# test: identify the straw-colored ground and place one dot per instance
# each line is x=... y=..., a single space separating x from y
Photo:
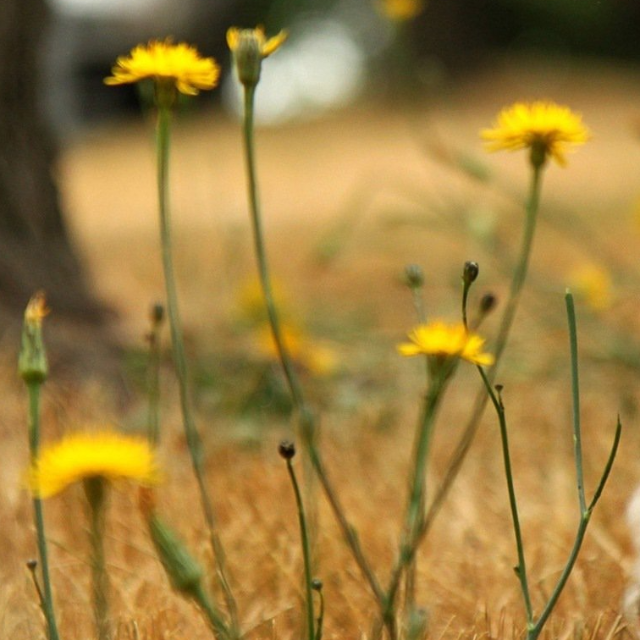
x=348 y=201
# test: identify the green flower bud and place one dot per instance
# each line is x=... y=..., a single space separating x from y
x=184 y=572
x=32 y=361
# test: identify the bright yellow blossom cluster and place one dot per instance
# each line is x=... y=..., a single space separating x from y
x=83 y=455
x=162 y=61
x=441 y=340
x=546 y=128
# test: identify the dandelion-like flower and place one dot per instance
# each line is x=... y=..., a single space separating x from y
x=546 y=128
x=442 y=341
x=177 y=65
x=102 y=454
x=400 y=10
x=250 y=47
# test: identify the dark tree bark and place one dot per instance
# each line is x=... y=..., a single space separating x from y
x=36 y=252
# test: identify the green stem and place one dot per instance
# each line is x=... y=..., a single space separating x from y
x=261 y=254
x=95 y=488
x=307 y=418
x=306 y=552
x=194 y=442
x=575 y=393
x=417 y=492
x=348 y=531
x=517 y=283
x=585 y=517
x=521 y=569
x=216 y=622
x=585 y=511
x=33 y=389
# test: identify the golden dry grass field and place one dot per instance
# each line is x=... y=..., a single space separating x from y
x=349 y=200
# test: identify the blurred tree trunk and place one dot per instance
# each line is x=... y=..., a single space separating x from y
x=35 y=249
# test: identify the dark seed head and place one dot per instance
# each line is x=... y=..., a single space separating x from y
x=287 y=449
x=414 y=276
x=488 y=303
x=470 y=272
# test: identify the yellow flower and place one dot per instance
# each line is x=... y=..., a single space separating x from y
x=444 y=341
x=250 y=47
x=544 y=127
x=593 y=284
x=317 y=358
x=79 y=456
x=400 y=10
x=178 y=65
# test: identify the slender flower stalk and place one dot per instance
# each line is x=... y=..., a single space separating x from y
x=33 y=369
x=287 y=451
x=535 y=626
x=194 y=442
x=95 y=490
x=443 y=346
x=249 y=48
x=521 y=568
x=547 y=131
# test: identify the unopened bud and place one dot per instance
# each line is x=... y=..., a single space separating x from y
x=157 y=313
x=470 y=272
x=287 y=449
x=250 y=47
x=488 y=303
x=32 y=361
x=414 y=276
x=184 y=572
x=316 y=584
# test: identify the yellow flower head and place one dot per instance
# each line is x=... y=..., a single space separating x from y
x=79 y=456
x=250 y=47
x=315 y=357
x=443 y=341
x=546 y=128
x=400 y=10
x=178 y=65
x=593 y=284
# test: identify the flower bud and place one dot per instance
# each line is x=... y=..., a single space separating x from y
x=488 y=303
x=250 y=47
x=470 y=272
x=32 y=361
x=287 y=449
x=184 y=572
x=414 y=276
x=157 y=313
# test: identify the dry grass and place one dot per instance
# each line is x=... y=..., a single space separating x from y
x=404 y=206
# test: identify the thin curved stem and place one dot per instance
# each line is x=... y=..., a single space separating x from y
x=33 y=389
x=307 y=418
x=517 y=283
x=306 y=552
x=193 y=439
x=521 y=569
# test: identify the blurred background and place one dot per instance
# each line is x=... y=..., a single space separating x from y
x=337 y=48
x=369 y=153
